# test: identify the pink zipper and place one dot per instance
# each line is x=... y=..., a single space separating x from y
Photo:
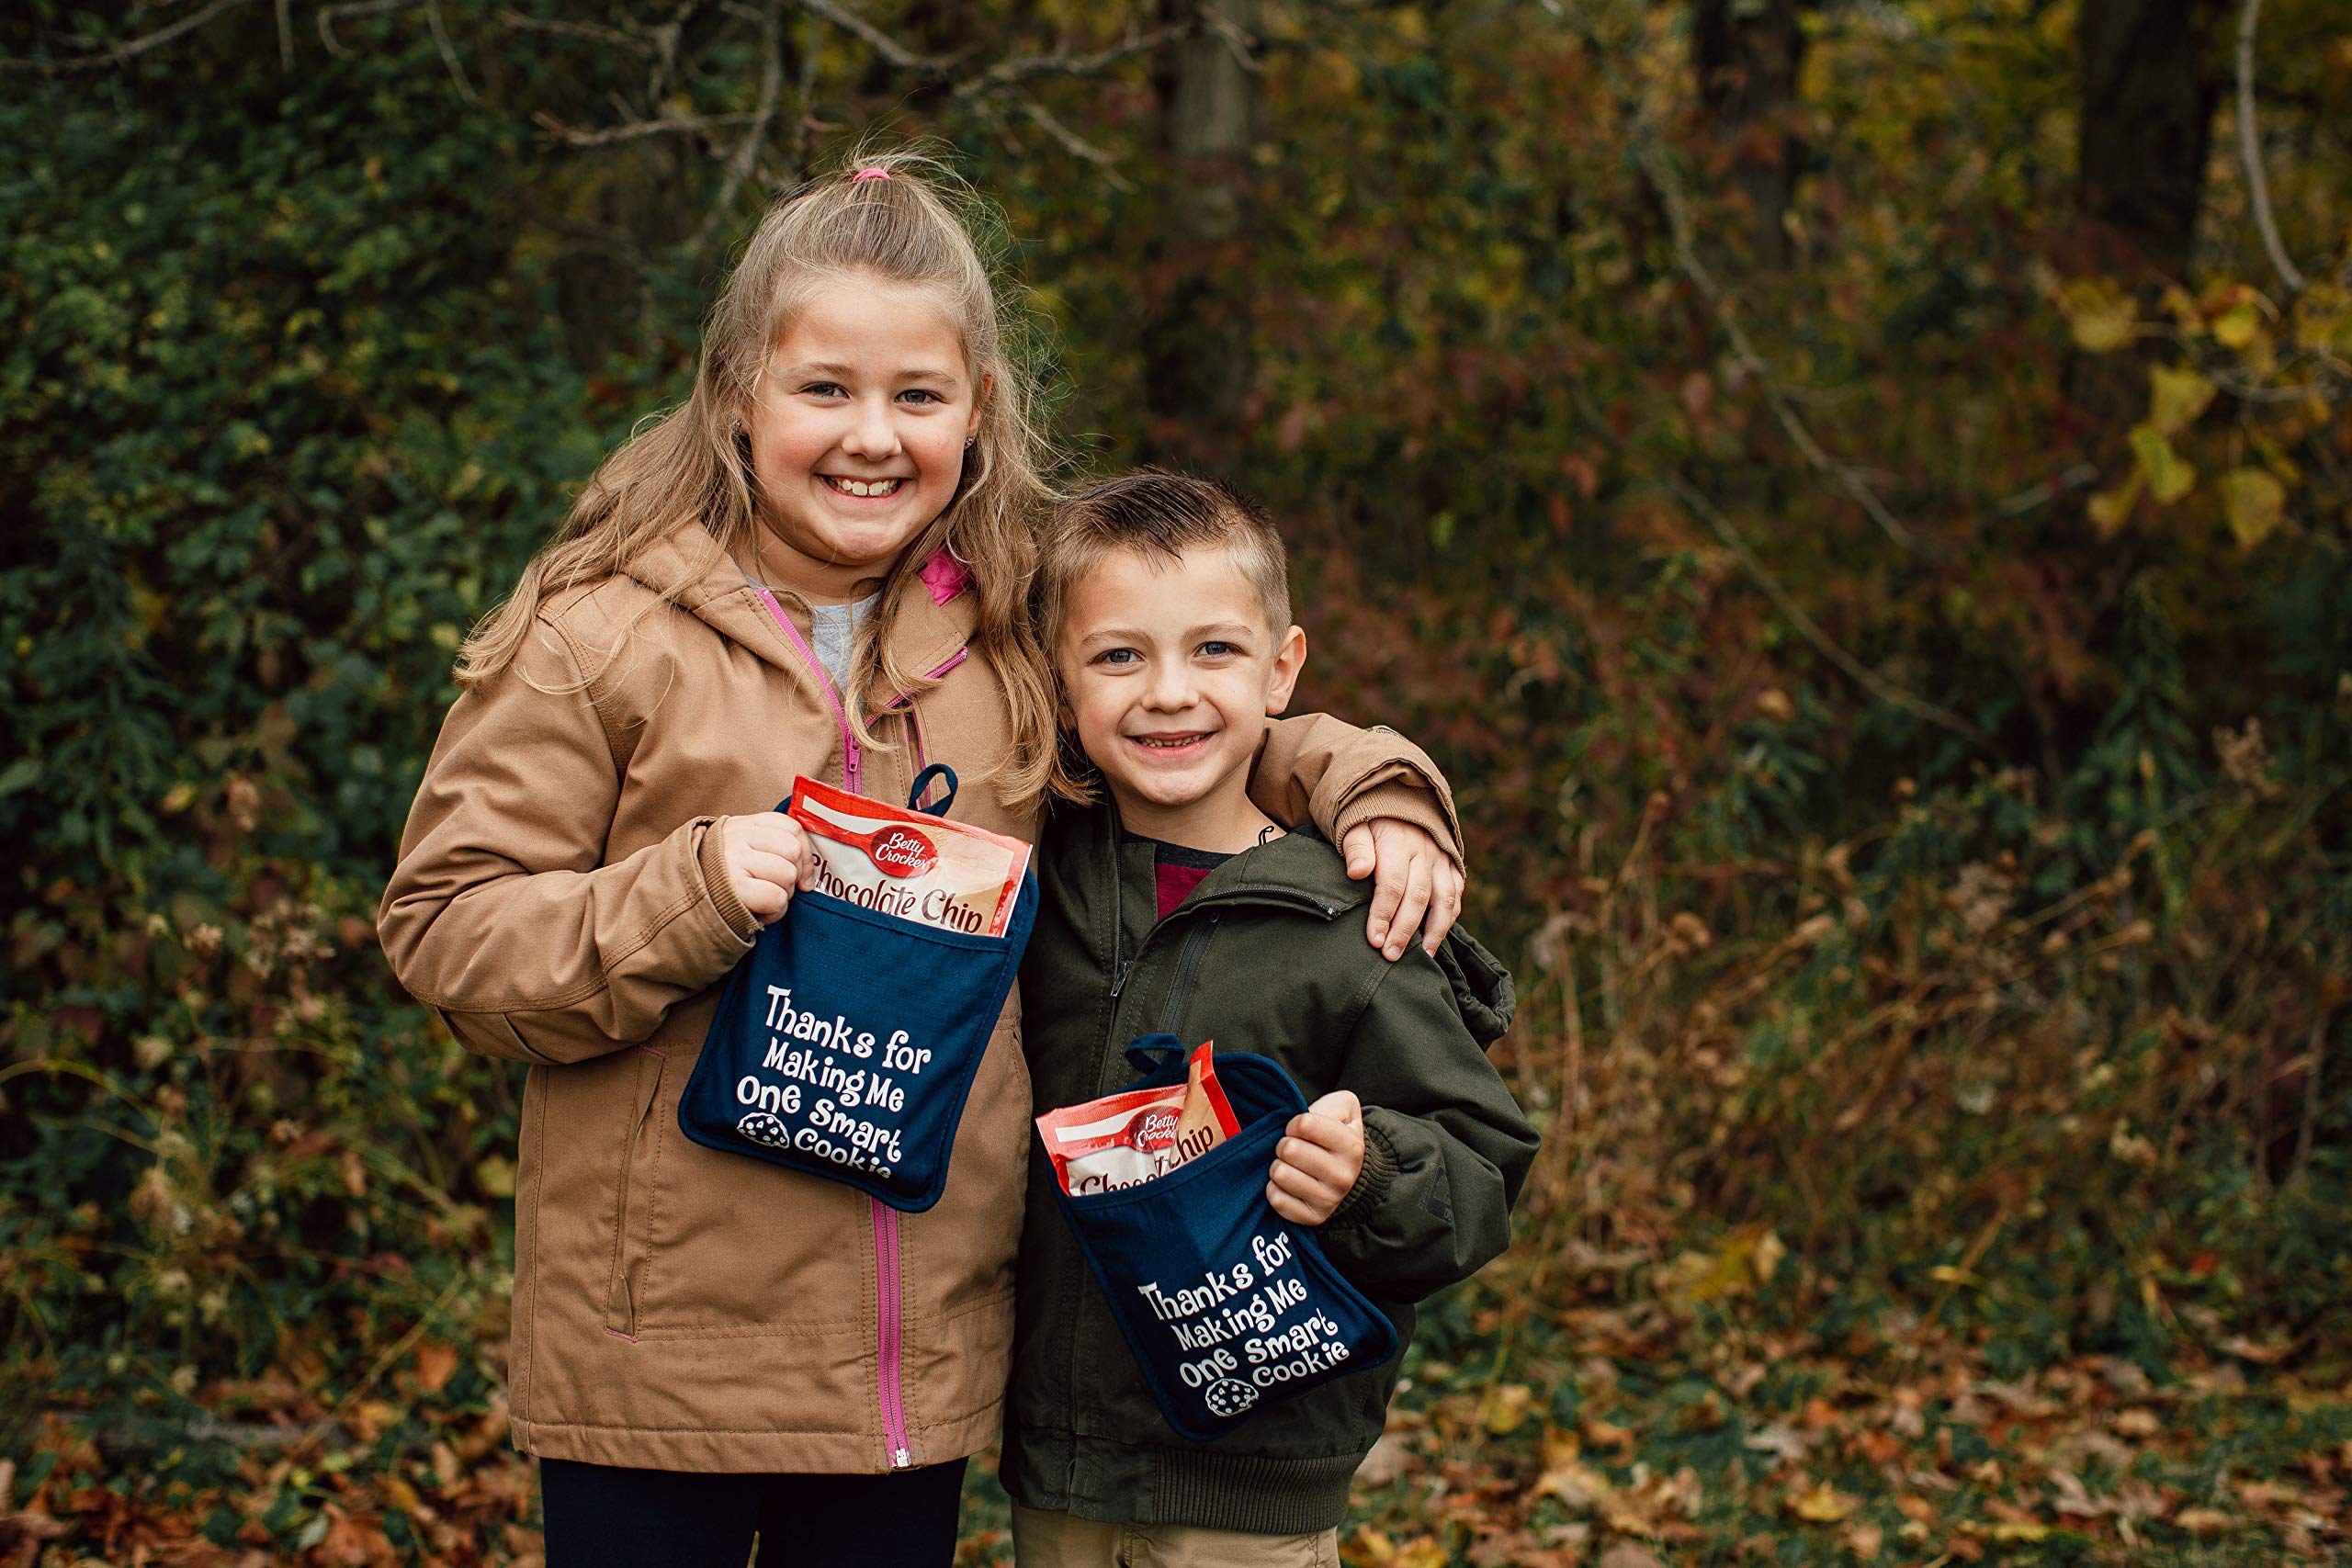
x=887 y=1306
x=849 y=758
x=885 y=1289
x=952 y=660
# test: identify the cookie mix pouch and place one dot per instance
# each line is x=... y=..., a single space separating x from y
x=1226 y=1306
x=848 y=1037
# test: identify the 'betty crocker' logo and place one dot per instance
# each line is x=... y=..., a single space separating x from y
x=1153 y=1130
x=901 y=852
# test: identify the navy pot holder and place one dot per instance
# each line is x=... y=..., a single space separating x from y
x=847 y=1040
x=1228 y=1306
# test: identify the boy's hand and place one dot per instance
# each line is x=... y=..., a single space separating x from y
x=1319 y=1159
x=767 y=857
x=1412 y=876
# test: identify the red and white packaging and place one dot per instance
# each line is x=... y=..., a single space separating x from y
x=910 y=863
x=1139 y=1134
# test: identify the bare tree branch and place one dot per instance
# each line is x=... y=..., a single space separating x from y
x=330 y=15
x=594 y=32
x=637 y=130
x=804 y=101
x=129 y=50
x=988 y=91
x=1010 y=72
x=2250 y=153
x=746 y=153
x=1869 y=679
x=448 y=51
x=1659 y=172
x=1845 y=476
x=888 y=47
x=1073 y=143
x=2073 y=477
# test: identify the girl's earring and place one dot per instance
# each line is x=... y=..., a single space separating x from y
x=970 y=441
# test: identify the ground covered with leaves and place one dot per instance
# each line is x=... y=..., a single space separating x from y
x=1568 y=1407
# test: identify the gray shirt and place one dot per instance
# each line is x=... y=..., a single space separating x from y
x=833 y=634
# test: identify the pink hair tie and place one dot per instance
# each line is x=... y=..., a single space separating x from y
x=869 y=174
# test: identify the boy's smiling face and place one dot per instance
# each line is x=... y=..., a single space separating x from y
x=1171 y=672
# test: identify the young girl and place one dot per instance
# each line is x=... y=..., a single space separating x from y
x=819 y=564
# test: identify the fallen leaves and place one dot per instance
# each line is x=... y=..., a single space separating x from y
x=1631 y=1432
x=1823 y=1504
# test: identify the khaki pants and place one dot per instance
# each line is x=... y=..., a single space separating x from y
x=1065 y=1540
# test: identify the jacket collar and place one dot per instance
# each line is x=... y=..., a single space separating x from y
x=1300 y=863
x=686 y=564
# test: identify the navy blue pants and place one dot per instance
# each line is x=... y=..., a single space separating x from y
x=601 y=1515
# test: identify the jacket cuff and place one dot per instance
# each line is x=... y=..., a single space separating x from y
x=1403 y=795
x=1373 y=1183
x=710 y=857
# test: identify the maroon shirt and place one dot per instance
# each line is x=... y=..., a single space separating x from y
x=1176 y=870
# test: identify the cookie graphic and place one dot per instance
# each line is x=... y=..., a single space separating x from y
x=762 y=1128
x=1228 y=1397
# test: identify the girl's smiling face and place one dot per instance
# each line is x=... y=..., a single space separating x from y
x=857 y=430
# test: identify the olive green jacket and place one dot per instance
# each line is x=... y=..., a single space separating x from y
x=1268 y=955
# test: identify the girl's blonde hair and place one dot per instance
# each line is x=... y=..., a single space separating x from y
x=922 y=227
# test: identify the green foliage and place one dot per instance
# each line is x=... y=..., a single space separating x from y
x=2019 y=1040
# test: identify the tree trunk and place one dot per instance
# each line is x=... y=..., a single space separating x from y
x=1197 y=345
x=2151 y=81
x=1747 y=58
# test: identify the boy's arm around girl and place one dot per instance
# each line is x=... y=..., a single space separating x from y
x=505 y=915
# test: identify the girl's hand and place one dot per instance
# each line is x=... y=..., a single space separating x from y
x=1412 y=876
x=767 y=858
x=1319 y=1159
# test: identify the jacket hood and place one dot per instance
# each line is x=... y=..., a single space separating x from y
x=937 y=615
x=1482 y=986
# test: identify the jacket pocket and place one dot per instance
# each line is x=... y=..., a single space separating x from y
x=632 y=1203
x=1226 y=1306
x=846 y=1042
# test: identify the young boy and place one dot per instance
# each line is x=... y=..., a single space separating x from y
x=1178 y=906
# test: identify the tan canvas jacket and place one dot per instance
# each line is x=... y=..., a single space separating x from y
x=560 y=901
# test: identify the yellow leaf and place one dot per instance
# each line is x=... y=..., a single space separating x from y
x=2237 y=326
x=2320 y=329
x=2202 y=1522
x=2102 y=315
x=496 y=1174
x=1770 y=1250
x=2175 y=397
x=2254 y=501
x=2109 y=509
x=1749 y=1256
x=2170 y=476
x=1507 y=1407
x=1422 y=1552
x=2018 y=1529
x=1824 y=1505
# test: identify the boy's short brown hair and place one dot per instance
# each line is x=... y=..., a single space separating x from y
x=1157 y=511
